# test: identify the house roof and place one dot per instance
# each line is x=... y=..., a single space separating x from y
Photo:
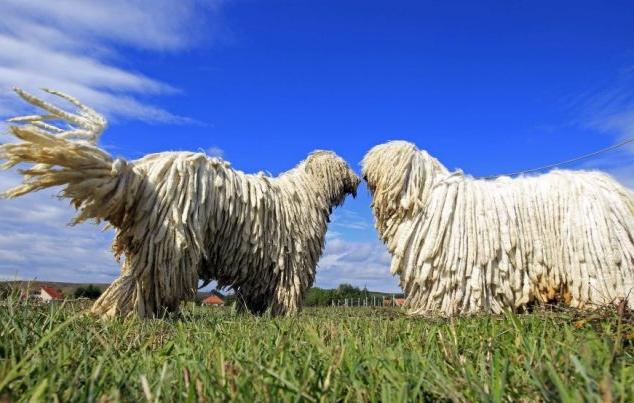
x=395 y=301
x=213 y=300
x=52 y=292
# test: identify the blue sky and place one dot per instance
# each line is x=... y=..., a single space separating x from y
x=488 y=87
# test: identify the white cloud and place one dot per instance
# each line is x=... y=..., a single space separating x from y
x=345 y=219
x=624 y=174
x=362 y=264
x=620 y=124
x=75 y=46
x=619 y=164
x=71 y=45
x=37 y=242
x=610 y=109
x=353 y=257
x=215 y=152
x=149 y=24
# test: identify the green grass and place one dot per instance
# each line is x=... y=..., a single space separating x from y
x=58 y=353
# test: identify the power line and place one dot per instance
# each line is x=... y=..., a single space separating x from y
x=570 y=161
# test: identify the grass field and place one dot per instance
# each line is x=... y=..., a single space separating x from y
x=58 y=353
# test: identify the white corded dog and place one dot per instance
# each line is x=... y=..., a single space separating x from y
x=182 y=216
x=465 y=245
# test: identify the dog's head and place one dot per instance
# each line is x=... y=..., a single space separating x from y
x=398 y=176
x=334 y=174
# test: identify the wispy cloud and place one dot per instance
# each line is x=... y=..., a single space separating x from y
x=37 y=242
x=362 y=264
x=343 y=219
x=77 y=46
x=609 y=110
x=619 y=164
x=354 y=255
x=149 y=24
x=71 y=45
x=215 y=152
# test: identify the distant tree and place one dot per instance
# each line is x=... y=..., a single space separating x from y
x=5 y=290
x=318 y=297
x=230 y=299
x=90 y=292
x=348 y=291
x=322 y=297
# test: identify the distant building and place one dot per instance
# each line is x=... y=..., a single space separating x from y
x=48 y=294
x=213 y=300
x=393 y=301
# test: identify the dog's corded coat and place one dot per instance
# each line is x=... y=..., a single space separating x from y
x=465 y=245
x=181 y=216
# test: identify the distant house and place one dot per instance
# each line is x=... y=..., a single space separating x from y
x=213 y=300
x=393 y=301
x=48 y=294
